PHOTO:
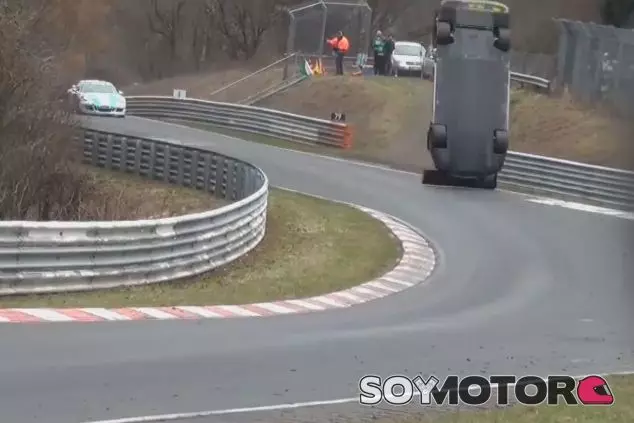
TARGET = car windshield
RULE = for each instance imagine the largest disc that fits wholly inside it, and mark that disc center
(97, 88)
(408, 50)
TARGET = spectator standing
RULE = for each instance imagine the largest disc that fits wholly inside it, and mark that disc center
(340, 46)
(378, 47)
(389, 49)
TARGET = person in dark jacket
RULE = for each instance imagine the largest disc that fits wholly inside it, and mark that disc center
(378, 47)
(389, 49)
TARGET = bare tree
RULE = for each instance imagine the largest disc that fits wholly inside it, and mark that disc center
(243, 23)
(35, 131)
(166, 22)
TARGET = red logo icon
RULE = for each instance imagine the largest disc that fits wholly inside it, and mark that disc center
(594, 390)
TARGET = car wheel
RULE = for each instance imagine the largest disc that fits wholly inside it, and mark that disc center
(489, 182)
(437, 136)
(443, 33)
(500, 142)
(502, 40)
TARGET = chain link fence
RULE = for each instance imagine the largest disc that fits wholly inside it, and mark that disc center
(312, 23)
(536, 64)
(596, 64)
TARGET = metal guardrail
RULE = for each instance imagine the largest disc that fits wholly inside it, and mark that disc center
(37, 257)
(240, 117)
(573, 180)
(542, 175)
(530, 80)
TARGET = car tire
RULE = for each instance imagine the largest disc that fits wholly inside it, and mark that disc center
(436, 136)
(489, 182)
(500, 142)
(435, 177)
(444, 35)
(502, 39)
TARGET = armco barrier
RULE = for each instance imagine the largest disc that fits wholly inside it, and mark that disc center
(532, 81)
(240, 117)
(67, 256)
(547, 175)
(541, 175)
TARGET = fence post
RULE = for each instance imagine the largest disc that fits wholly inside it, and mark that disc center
(324, 21)
(562, 53)
(290, 41)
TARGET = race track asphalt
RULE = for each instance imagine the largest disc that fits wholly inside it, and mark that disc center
(520, 288)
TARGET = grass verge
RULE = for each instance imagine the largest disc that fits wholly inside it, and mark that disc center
(622, 411)
(312, 247)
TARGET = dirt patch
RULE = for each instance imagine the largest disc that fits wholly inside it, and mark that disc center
(119, 196)
(391, 116)
(311, 247)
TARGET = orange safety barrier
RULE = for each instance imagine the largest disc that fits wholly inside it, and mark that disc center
(348, 136)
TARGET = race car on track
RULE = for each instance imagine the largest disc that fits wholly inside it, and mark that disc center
(95, 97)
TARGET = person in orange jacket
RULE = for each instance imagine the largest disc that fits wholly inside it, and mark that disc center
(340, 46)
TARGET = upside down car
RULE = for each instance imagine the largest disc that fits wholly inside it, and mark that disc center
(100, 98)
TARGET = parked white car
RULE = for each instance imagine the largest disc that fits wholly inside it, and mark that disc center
(408, 58)
(95, 97)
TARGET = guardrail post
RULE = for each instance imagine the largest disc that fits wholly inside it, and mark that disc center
(348, 134)
(180, 172)
(207, 157)
(109, 147)
(167, 153)
(152, 162)
(220, 176)
(95, 149)
(137, 156)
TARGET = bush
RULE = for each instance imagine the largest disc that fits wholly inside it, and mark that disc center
(36, 145)
(40, 175)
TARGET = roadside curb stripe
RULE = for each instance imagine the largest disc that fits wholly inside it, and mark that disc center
(415, 266)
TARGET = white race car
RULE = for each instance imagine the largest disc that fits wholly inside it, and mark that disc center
(97, 97)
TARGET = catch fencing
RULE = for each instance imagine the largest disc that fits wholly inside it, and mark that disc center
(313, 22)
(45, 257)
(534, 64)
(596, 64)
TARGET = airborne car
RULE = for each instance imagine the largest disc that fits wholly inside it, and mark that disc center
(95, 97)
(468, 134)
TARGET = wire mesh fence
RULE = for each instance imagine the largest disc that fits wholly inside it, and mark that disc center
(312, 23)
(536, 64)
(596, 64)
